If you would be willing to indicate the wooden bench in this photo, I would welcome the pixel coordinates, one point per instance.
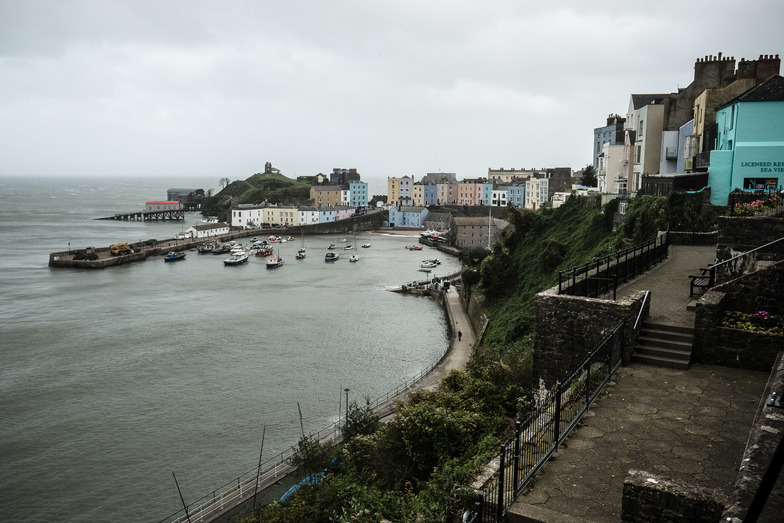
(705, 281)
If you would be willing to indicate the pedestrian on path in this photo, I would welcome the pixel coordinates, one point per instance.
(459, 335)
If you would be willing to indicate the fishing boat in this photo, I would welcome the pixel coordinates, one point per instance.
(331, 256)
(273, 262)
(348, 247)
(331, 246)
(434, 261)
(236, 259)
(174, 256)
(265, 250)
(300, 254)
(414, 248)
(428, 265)
(354, 258)
(365, 245)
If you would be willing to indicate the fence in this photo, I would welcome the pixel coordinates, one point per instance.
(600, 277)
(537, 439)
(738, 198)
(233, 492)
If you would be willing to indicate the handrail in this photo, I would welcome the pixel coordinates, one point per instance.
(745, 253)
(642, 308)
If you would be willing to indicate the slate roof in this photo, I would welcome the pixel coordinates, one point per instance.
(770, 89)
(641, 100)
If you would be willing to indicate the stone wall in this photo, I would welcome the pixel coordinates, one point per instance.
(717, 345)
(568, 328)
(741, 234)
(648, 498)
(766, 433)
(692, 238)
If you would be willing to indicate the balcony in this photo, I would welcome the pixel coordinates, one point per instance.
(702, 161)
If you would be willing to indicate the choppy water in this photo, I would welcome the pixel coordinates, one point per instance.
(111, 380)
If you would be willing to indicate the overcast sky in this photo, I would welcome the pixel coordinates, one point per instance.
(392, 87)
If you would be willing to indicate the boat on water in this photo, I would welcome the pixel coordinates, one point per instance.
(354, 258)
(365, 245)
(236, 259)
(434, 261)
(348, 247)
(428, 265)
(414, 247)
(331, 256)
(331, 246)
(265, 250)
(273, 262)
(223, 248)
(300, 254)
(174, 256)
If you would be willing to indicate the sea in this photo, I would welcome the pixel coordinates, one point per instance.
(114, 382)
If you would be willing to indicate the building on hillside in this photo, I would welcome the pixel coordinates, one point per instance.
(327, 214)
(749, 152)
(248, 216)
(466, 193)
(308, 215)
(610, 134)
(407, 216)
(326, 195)
(359, 194)
(418, 194)
(499, 195)
(438, 221)
(473, 232)
(516, 194)
(155, 206)
(186, 196)
(430, 194)
(344, 211)
(506, 176)
(207, 230)
(610, 175)
(399, 190)
(436, 178)
(343, 177)
(537, 193)
(283, 216)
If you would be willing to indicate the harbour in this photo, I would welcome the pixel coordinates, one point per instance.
(114, 379)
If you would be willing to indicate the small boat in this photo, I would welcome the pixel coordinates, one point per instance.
(354, 258)
(428, 265)
(343, 240)
(331, 256)
(365, 245)
(174, 256)
(223, 248)
(300, 254)
(236, 259)
(206, 248)
(273, 262)
(331, 246)
(348, 247)
(415, 248)
(265, 250)
(434, 261)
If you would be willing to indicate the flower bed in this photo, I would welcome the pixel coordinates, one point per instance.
(761, 321)
(751, 208)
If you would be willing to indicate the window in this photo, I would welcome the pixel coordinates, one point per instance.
(639, 131)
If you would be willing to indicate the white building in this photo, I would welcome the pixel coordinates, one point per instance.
(247, 216)
(536, 192)
(308, 215)
(207, 230)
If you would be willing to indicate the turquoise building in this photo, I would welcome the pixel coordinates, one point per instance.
(749, 149)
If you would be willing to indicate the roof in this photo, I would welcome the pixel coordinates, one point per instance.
(160, 202)
(210, 226)
(641, 100)
(411, 208)
(467, 221)
(769, 90)
(327, 188)
(437, 216)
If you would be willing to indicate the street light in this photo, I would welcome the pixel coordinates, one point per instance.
(346, 391)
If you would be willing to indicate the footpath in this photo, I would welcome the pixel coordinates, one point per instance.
(685, 425)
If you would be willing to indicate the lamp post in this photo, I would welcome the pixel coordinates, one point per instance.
(346, 391)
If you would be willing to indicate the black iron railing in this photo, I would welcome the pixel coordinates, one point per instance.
(537, 438)
(600, 277)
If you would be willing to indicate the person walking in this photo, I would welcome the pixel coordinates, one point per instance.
(459, 335)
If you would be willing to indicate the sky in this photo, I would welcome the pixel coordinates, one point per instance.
(197, 88)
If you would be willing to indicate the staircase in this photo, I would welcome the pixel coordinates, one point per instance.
(664, 345)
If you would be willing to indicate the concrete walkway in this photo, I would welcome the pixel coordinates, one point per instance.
(687, 425)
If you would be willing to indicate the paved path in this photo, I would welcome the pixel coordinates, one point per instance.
(687, 425)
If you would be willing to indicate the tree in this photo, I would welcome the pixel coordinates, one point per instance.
(589, 176)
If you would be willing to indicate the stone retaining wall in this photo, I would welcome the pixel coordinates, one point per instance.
(568, 328)
(741, 234)
(649, 498)
(717, 345)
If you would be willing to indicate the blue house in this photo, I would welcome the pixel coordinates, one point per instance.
(431, 194)
(515, 195)
(749, 152)
(358, 194)
(407, 216)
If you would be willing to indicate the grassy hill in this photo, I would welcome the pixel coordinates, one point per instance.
(273, 188)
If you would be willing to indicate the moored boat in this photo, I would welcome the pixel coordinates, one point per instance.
(236, 259)
(331, 256)
(273, 262)
(354, 258)
(174, 256)
(300, 254)
(414, 248)
(365, 245)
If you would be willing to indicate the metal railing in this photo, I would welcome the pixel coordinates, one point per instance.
(537, 439)
(734, 267)
(600, 277)
(234, 491)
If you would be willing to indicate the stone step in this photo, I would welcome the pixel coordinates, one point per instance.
(660, 361)
(661, 327)
(664, 345)
(679, 343)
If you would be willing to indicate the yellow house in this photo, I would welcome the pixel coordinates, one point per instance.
(285, 216)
